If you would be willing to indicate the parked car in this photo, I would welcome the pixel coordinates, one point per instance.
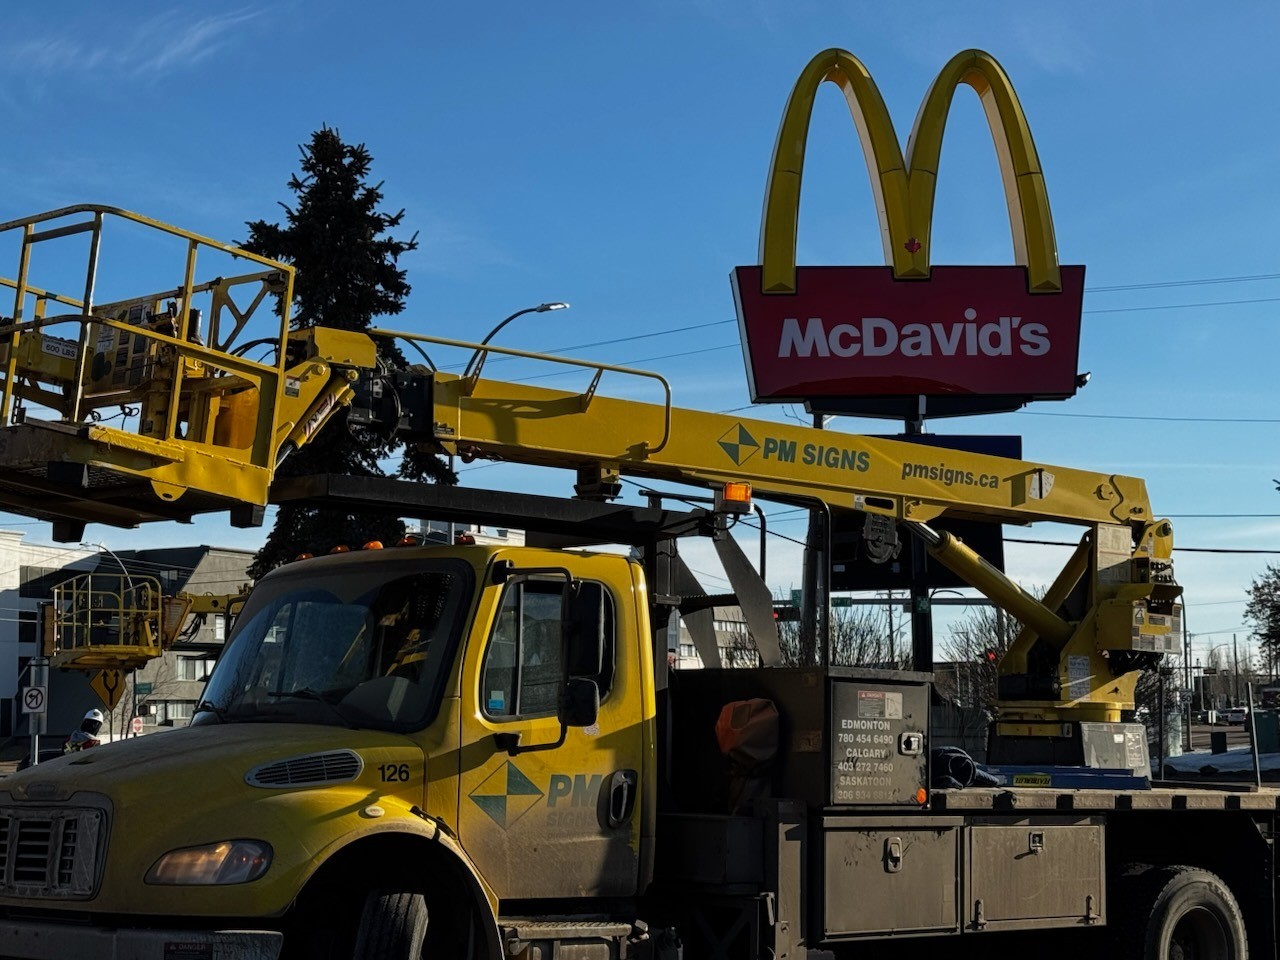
(1236, 716)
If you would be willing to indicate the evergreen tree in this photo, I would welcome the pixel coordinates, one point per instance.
(1263, 611)
(348, 273)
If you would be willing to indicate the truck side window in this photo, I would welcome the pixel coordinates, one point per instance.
(521, 672)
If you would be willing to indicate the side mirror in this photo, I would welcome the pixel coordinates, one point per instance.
(579, 702)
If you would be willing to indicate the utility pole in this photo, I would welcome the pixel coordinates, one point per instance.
(1187, 684)
(1235, 672)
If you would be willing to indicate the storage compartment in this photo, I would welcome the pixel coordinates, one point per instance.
(878, 737)
(884, 878)
(1036, 872)
(847, 737)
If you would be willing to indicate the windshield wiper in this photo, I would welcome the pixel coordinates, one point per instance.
(208, 706)
(306, 693)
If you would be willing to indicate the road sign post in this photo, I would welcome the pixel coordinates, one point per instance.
(35, 703)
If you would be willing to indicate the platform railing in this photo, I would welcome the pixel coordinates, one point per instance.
(107, 621)
(81, 356)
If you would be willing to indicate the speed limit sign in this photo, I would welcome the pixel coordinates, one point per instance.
(136, 725)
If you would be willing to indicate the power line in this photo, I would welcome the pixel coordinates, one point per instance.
(732, 346)
(665, 356)
(1184, 306)
(1119, 416)
(741, 523)
(1156, 285)
(1067, 543)
(1222, 516)
(1181, 283)
(666, 331)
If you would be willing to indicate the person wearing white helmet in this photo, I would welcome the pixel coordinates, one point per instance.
(87, 735)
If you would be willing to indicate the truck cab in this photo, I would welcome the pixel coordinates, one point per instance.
(390, 722)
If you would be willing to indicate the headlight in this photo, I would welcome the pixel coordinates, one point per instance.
(231, 861)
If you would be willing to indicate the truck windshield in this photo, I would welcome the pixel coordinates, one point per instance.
(362, 646)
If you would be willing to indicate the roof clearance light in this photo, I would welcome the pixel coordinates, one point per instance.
(373, 545)
(407, 541)
(304, 556)
(341, 548)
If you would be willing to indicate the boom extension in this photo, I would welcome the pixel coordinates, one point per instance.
(1112, 610)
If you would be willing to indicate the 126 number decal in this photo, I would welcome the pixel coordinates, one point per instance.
(393, 772)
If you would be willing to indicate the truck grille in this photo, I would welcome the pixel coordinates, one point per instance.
(50, 853)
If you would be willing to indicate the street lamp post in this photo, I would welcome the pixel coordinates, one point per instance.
(476, 363)
(103, 548)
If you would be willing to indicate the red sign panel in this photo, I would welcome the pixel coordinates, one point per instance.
(858, 332)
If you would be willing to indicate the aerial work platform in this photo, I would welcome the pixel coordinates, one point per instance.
(121, 407)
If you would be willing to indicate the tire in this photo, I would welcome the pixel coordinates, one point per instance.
(393, 926)
(1179, 913)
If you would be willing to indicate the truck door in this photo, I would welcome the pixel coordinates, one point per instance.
(562, 821)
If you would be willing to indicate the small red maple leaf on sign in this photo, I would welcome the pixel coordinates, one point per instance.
(912, 245)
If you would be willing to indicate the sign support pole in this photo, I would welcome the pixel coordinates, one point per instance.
(39, 678)
(814, 598)
(921, 609)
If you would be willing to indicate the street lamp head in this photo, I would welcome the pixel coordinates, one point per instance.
(476, 363)
(102, 548)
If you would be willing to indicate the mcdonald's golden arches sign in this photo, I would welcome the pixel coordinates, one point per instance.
(965, 338)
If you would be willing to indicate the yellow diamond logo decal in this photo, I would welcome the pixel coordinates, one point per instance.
(739, 444)
(506, 795)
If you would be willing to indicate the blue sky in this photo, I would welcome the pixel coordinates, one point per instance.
(615, 157)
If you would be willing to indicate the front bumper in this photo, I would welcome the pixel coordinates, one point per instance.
(27, 940)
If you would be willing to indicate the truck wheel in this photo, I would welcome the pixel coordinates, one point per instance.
(1180, 913)
(393, 926)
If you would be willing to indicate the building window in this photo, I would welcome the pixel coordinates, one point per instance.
(36, 583)
(195, 668)
(28, 626)
(178, 711)
(170, 580)
(219, 628)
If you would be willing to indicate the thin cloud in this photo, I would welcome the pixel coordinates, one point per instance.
(189, 43)
(170, 41)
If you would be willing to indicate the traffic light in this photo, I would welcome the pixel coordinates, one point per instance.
(786, 613)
